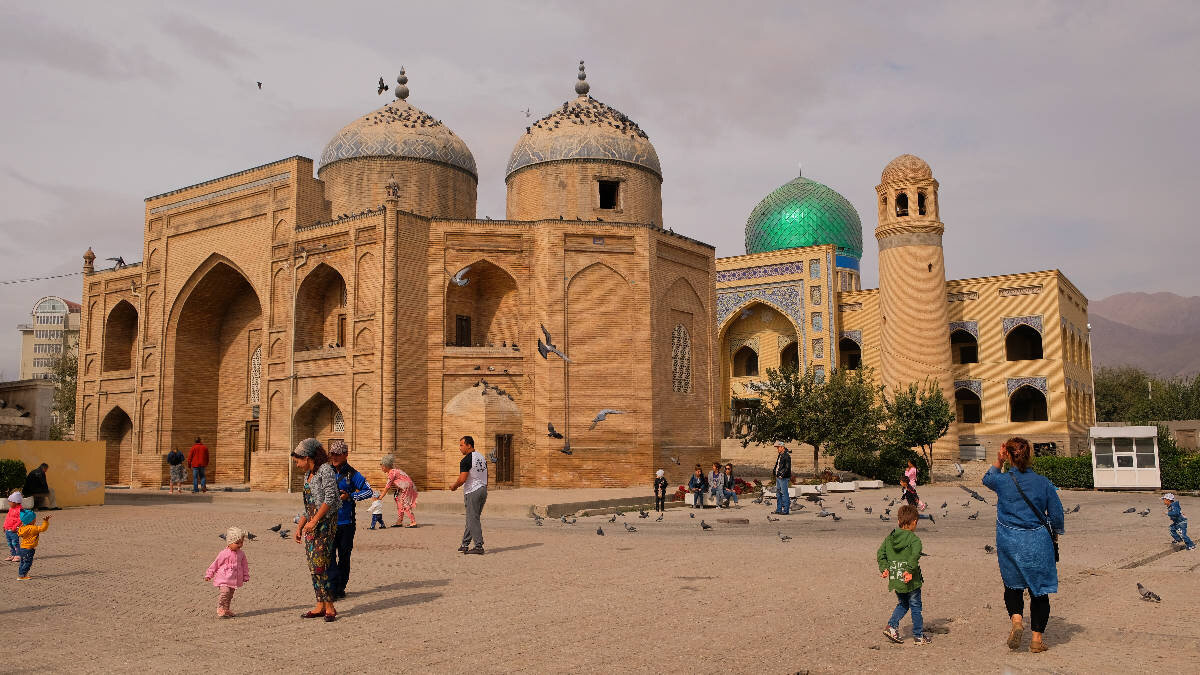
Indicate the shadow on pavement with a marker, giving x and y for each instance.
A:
(518, 547)
(275, 610)
(32, 608)
(63, 574)
(1060, 631)
(396, 601)
(405, 586)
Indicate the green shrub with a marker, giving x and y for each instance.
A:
(12, 475)
(887, 465)
(1180, 472)
(1066, 472)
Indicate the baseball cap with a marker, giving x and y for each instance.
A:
(338, 447)
(779, 444)
(1170, 496)
(15, 498)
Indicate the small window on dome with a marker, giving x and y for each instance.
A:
(901, 204)
(920, 203)
(609, 190)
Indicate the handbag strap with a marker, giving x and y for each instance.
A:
(1041, 516)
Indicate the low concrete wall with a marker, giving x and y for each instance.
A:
(76, 472)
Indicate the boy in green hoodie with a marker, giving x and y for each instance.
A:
(899, 558)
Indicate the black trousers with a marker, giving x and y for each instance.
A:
(660, 503)
(339, 567)
(1039, 607)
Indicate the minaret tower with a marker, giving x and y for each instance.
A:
(914, 324)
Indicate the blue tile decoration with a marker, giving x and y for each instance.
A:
(833, 352)
(778, 270)
(738, 343)
(814, 269)
(1039, 383)
(1010, 322)
(971, 327)
(584, 128)
(784, 340)
(399, 129)
(975, 386)
(855, 335)
(818, 322)
(786, 297)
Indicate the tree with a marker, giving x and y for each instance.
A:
(917, 417)
(64, 372)
(841, 413)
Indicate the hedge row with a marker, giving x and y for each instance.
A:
(1179, 471)
(887, 465)
(12, 475)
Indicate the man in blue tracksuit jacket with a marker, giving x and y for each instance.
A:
(352, 487)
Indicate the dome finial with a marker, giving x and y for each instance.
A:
(800, 169)
(582, 87)
(402, 88)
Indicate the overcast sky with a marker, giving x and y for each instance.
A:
(1063, 135)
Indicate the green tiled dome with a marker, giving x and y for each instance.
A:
(803, 212)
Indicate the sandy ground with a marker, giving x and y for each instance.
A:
(120, 589)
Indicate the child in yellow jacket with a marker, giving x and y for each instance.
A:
(29, 533)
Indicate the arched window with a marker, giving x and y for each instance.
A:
(790, 357)
(1023, 343)
(1027, 404)
(964, 348)
(849, 354)
(681, 360)
(921, 203)
(968, 409)
(901, 204)
(255, 376)
(745, 362)
(120, 333)
(481, 306)
(339, 422)
(321, 310)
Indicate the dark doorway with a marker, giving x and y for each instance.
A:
(850, 354)
(504, 459)
(964, 348)
(969, 409)
(251, 446)
(462, 331)
(1027, 405)
(1023, 343)
(608, 194)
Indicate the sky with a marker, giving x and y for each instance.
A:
(1063, 135)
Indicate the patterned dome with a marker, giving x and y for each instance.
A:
(584, 129)
(906, 169)
(399, 129)
(803, 212)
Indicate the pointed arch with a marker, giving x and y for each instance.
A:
(318, 418)
(1023, 343)
(120, 338)
(1027, 404)
(484, 310)
(366, 283)
(116, 430)
(321, 309)
(600, 345)
(681, 360)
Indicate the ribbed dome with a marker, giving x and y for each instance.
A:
(800, 213)
(906, 168)
(399, 129)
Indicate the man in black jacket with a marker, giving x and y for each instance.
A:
(783, 479)
(36, 487)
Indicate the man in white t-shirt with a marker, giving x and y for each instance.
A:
(472, 473)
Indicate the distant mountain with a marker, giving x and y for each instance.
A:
(1158, 332)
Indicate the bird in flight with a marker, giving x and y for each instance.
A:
(603, 415)
(118, 262)
(675, 460)
(259, 84)
(546, 350)
(458, 279)
(382, 86)
(552, 432)
(958, 470)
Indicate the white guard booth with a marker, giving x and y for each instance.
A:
(1125, 458)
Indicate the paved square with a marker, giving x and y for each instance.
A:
(121, 589)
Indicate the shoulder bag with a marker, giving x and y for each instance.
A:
(1041, 516)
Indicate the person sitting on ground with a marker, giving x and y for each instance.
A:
(660, 490)
(728, 492)
(698, 486)
(716, 484)
(899, 558)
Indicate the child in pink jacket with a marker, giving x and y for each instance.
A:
(11, 522)
(229, 571)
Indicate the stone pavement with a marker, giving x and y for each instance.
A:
(120, 588)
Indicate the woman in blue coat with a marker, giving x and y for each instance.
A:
(1023, 544)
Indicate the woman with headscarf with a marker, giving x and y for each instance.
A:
(318, 525)
(406, 491)
(1029, 518)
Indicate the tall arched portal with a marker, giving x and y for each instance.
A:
(215, 328)
(117, 433)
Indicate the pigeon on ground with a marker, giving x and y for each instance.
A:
(1144, 513)
(799, 507)
(883, 517)
(892, 502)
(974, 494)
(546, 350)
(613, 519)
(757, 501)
(538, 522)
(973, 516)
(842, 500)
(276, 528)
(1074, 510)
(553, 433)
(771, 520)
(705, 526)
(943, 505)
(1130, 510)
(251, 537)
(965, 504)
(784, 537)
(537, 518)
(563, 519)
(659, 518)
(643, 514)
(630, 528)
(458, 279)
(603, 415)
(867, 509)
(222, 535)
(621, 513)
(1147, 594)
(887, 512)
(836, 517)
(988, 548)
(600, 531)
(284, 534)
(691, 515)
(824, 514)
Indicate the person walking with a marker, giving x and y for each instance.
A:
(318, 525)
(472, 478)
(783, 479)
(197, 459)
(352, 487)
(175, 461)
(1029, 518)
(406, 490)
(38, 493)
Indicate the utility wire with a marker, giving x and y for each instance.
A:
(32, 279)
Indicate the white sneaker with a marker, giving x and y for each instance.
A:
(893, 635)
